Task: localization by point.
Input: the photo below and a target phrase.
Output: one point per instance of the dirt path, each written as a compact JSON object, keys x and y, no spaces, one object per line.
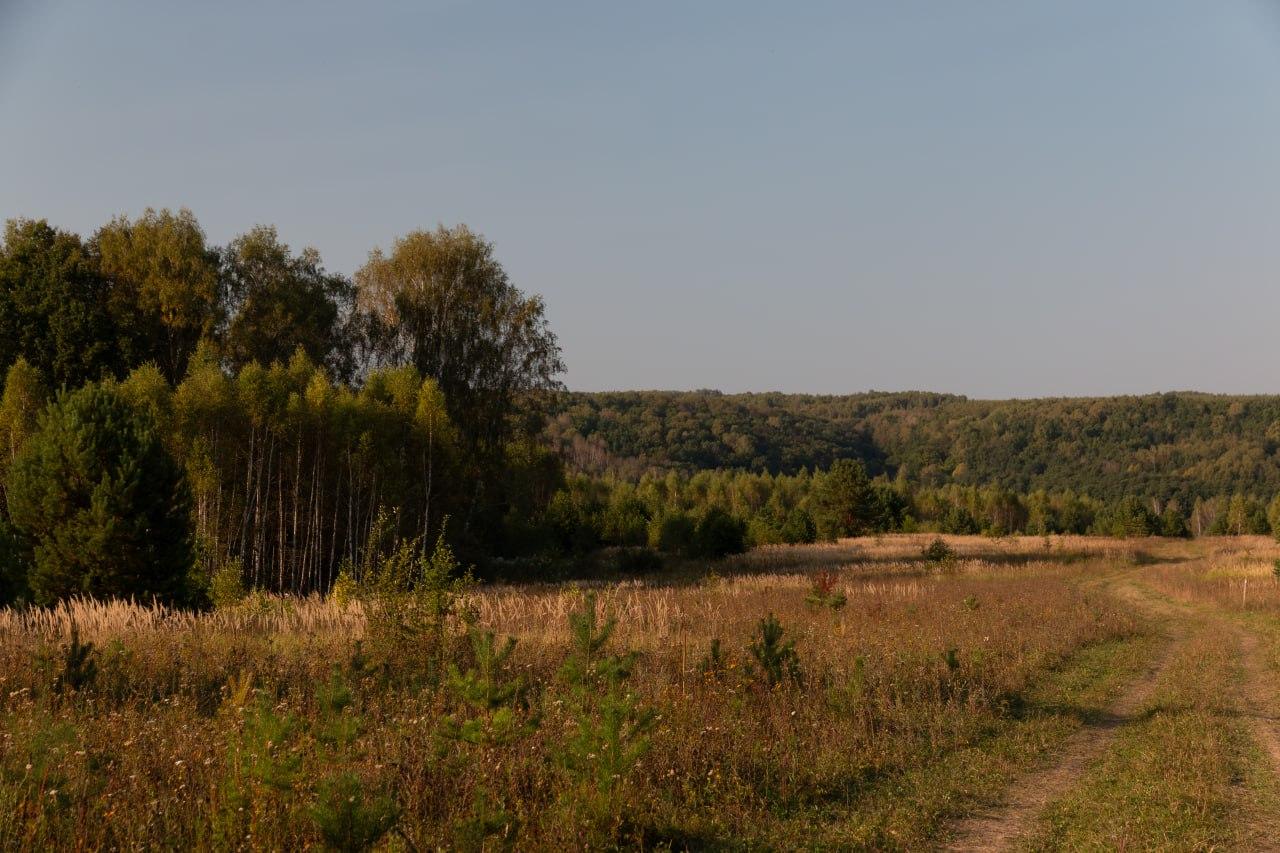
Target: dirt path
{"x":1004,"y":825}
{"x":1258,"y":697}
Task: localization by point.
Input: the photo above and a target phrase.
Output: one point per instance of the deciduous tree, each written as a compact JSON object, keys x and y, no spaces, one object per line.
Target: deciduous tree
{"x":164,"y":286}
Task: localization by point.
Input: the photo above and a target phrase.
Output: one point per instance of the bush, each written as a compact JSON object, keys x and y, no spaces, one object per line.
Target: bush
{"x":776,"y":657}
{"x":634,"y":561}
{"x":101,"y":503}
{"x":673,"y":533}
{"x":823,"y":593}
{"x":957,"y":520}
{"x":938,"y":552}
{"x":799,"y":528}
{"x":226,"y":587}
{"x":719,"y":534}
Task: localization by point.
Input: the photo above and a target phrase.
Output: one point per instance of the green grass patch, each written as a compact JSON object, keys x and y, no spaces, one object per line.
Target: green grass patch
{"x":910,"y":808}
{"x":1179,"y":775}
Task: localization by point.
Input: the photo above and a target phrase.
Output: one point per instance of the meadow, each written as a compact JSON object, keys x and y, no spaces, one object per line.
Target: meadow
{"x":877,"y":693}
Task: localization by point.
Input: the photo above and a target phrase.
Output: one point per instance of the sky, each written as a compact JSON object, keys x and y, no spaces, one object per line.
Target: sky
{"x":998,"y":199}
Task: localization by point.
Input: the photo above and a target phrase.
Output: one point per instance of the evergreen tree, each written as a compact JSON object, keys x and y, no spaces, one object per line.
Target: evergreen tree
{"x":53,"y":306}
{"x":843,"y":501}
{"x":100,"y":503}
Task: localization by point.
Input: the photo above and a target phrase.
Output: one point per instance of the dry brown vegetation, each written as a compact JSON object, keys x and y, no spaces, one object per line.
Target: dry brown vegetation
{"x":919,"y":698}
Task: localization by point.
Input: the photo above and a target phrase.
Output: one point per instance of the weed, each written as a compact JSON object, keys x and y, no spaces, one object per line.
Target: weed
{"x":824,"y":592}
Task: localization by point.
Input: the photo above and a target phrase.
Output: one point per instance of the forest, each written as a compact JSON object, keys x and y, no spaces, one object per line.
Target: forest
{"x":1184,"y":445}
{"x":178,"y":414}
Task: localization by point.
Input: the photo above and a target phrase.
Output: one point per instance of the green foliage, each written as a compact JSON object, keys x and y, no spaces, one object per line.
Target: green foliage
{"x":345,"y":588}
{"x":492,"y":711}
{"x":14,"y":562}
{"x":799,"y":528}
{"x":1130,"y":517}
{"x":843,"y":501}
{"x":674,"y":533}
{"x":1211,"y":444}
{"x":635,"y":561}
{"x":777,"y":659}
{"x":441,"y":302}
{"x":610,"y":725}
{"x":719,"y":534}
{"x":53,"y":306}
{"x":938,"y":552}
{"x":957,"y":520}
{"x":226,"y":587}
{"x":1173,"y":522}
{"x":280,"y":303}
{"x":349,"y":819}
{"x":409,"y":597}
{"x":164,"y":287}
{"x":714,"y":665}
{"x":101,"y":503}
{"x":24,"y":398}
{"x":79,"y":666}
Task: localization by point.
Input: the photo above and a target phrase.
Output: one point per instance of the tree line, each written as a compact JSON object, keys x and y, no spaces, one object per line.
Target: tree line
{"x":172,"y":407}
{"x":1156,"y":447}
{"x":665,"y":510}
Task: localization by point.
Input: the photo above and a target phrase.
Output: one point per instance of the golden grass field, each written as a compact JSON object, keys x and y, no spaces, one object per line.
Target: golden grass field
{"x":1030,"y":692}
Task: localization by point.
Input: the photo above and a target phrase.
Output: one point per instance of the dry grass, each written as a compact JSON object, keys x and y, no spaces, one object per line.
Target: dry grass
{"x":920,"y":666}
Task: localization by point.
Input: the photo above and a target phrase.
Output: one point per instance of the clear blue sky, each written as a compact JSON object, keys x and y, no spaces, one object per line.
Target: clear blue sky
{"x":991,"y":198}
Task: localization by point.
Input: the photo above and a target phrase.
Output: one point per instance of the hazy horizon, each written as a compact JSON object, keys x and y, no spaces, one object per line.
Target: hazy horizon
{"x":995,"y":200}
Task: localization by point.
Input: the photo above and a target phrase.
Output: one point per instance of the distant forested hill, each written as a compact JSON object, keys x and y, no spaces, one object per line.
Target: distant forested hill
{"x":1160,"y":444}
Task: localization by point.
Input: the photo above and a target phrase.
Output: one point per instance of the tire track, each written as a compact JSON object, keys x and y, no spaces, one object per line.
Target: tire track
{"x":1005,"y":825}
{"x":1258,"y":697}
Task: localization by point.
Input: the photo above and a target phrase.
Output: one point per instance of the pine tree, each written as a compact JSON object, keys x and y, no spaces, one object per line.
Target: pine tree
{"x":101,"y":503}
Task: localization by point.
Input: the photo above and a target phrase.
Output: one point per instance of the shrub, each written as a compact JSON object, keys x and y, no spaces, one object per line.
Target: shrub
{"x":345,"y":589}
{"x":347,"y":818}
{"x":719,"y":534}
{"x":610,"y":726}
{"x":673,"y":533}
{"x":799,"y":529}
{"x":226,"y":587}
{"x":101,"y":503}
{"x":635,"y":561}
{"x":938,"y":552}
{"x":824,"y":592}
{"x":776,"y":657}
{"x":79,"y":666}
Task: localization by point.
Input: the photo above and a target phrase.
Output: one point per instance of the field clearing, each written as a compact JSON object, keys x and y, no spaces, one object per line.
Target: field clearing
{"x":927,"y":697}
